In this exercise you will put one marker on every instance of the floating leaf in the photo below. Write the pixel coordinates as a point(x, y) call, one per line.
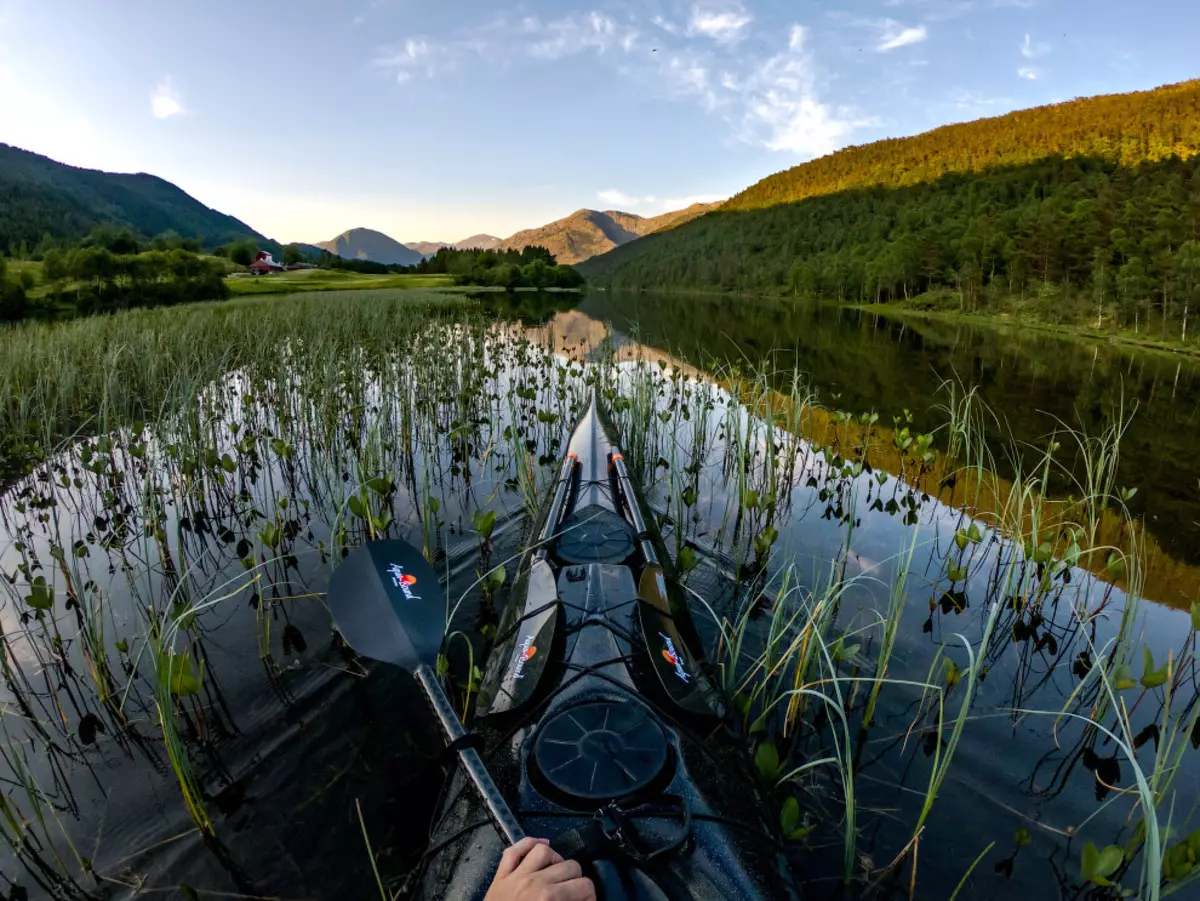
point(40, 596)
point(1122, 677)
point(764, 540)
point(766, 759)
point(1099, 865)
point(484, 522)
point(184, 680)
point(270, 535)
point(789, 816)
point(1151, 677)
point(381, 485)
point(951, 671)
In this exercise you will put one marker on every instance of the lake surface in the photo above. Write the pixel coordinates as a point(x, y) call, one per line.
point(296, 748)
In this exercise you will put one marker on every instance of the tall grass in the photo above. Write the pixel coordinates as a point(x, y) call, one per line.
point(180, 461)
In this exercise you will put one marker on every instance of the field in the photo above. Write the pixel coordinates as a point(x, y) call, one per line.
point(330, 280)
point(880, 609)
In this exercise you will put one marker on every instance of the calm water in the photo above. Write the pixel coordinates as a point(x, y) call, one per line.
point(290, 737)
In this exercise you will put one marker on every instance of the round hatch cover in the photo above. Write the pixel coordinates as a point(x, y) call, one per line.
point(595, 535)
point(601, 750)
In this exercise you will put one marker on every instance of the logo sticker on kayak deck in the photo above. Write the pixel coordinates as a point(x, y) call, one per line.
point(674, 658)
point(524, 655)
point(404, 581)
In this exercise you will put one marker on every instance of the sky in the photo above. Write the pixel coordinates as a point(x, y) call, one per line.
point(440, 120)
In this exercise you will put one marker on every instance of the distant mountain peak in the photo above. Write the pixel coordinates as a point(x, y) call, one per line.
point(369, 244)
point(587, 233)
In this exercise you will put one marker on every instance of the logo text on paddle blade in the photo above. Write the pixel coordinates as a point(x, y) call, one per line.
point(404, 581)
point(674, 658)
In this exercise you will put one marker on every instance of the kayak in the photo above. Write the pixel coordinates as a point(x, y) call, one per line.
point(597, 720)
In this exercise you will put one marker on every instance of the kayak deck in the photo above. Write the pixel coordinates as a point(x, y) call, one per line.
point(596, 720)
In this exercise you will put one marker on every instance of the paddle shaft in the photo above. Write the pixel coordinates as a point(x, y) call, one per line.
point(471, 762)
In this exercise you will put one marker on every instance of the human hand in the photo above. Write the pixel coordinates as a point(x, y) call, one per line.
point(532, 871)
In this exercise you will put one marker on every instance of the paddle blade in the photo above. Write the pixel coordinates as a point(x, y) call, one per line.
point(388, 604)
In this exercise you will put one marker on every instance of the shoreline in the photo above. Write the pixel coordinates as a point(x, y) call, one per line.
point(1002, 322)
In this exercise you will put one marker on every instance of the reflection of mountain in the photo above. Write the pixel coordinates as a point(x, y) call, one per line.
point(859, 362)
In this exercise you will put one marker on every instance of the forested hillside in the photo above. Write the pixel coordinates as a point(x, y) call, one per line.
point(1105, 223)
point(40, 197)
point(1123, 128)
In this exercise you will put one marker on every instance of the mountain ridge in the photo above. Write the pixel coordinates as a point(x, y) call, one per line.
point(1099, 195)
point(42, 196)
point(587, 233)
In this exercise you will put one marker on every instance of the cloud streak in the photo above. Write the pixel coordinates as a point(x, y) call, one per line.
point(724, 25)
point(1031, 49)
point(895, 35)
point(783, 110)
point(773, 101)
point(616, 199)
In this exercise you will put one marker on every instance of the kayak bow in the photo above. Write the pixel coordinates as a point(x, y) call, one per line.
point(596, 719)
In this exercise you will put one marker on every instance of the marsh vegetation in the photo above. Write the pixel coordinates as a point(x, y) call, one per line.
point(950, 680)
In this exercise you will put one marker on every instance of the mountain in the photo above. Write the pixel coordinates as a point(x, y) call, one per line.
point(1097, 196)
point(367, 244)
point(588, 233)
point(479, 242)
point(39, 196)
point(475, 242)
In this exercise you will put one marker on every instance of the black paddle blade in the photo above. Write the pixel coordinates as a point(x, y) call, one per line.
point(388, 604)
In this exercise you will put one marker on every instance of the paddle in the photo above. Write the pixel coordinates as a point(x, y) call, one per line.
point(388, 605)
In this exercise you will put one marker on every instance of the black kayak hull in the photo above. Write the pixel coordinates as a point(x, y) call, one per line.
point(596, 720)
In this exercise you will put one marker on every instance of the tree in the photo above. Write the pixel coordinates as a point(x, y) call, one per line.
point(1133, 287)
point(243, 252)
point(1187, 262)
point(292, 255)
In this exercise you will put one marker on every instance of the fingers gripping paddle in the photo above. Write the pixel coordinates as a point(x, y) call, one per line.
point(388, 605)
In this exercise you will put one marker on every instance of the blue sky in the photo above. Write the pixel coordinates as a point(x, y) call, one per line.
point(437, 120)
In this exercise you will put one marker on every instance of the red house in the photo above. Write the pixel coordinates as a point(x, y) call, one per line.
point(265, 264)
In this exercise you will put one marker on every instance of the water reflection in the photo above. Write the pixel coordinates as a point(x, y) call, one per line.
point(221, 528)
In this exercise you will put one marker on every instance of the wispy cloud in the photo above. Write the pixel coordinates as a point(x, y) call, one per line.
point(773, 102)
point(577, 34)
point(723, 24)
point(783, 110)
point(650, 204)
point(1031, 49)
point(165, 101)
point(414, 56)
point(894, 35)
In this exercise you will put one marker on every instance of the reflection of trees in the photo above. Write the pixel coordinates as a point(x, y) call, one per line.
point(858, 361)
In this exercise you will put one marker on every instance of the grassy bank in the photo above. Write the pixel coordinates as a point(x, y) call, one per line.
point(1018, 314)
point(330, 280)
